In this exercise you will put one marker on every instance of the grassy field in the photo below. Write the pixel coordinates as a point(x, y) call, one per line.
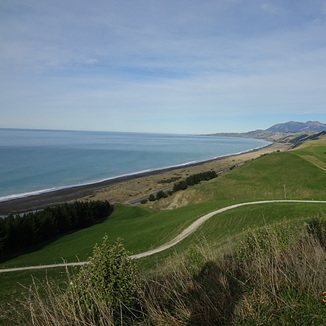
point(140, 229)
point(296, 174)
point(275, 176)
point(223, 229)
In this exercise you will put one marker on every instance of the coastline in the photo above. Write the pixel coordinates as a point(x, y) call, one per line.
point(103, 189)
point(121, 177)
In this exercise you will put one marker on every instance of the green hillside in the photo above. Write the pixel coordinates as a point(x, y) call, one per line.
point(296, 174)
point(274, 176)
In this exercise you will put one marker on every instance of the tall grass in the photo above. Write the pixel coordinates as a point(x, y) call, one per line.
point(275, 275)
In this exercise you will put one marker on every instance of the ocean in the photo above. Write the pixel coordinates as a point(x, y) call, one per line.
point(37, 161)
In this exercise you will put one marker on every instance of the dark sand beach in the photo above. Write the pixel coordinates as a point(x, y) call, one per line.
point(127, 188)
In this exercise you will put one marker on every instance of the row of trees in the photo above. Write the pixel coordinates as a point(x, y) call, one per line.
point(21, 232)
point(182, 185)
point(194, 179)
point(159, 195)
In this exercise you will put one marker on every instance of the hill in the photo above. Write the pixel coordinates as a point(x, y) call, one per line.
point(293, 126)
point(289, 132)
point(267, 276)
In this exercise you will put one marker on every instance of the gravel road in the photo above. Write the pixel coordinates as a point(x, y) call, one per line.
point(185, 233)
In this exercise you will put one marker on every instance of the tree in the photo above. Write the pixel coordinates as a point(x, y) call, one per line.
point(161, 194)
point(151, 198)
point(19, 233)
point(182, 185)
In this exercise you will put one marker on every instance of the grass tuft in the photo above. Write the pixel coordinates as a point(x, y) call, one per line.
point(273, 276)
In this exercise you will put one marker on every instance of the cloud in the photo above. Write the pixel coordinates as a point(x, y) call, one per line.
point(150, 59)
point(271, 8)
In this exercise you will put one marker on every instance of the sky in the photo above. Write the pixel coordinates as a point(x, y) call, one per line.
point(174, 66)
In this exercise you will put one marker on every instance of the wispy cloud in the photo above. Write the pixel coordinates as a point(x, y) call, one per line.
point(172, 59)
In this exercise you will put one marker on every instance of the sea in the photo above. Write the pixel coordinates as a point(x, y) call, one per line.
point(38, 161)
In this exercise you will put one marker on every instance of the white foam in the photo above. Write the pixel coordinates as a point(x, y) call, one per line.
point(42, 191)
point(26, 194)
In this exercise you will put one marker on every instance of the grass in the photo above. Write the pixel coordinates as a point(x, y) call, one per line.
point(265, 178)
point(224, 228)
point(274, 176)
point(142, 229)
point(274, 276)
point(314, 152)
point(15, 286)
point(216, 232)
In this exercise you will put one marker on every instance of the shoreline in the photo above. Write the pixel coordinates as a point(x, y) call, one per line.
point(13, 197)
point(60, 196)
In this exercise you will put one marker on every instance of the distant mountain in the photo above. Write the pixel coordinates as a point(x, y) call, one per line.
point(290, 132)
point(293, 126)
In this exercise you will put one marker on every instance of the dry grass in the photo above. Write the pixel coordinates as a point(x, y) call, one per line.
point(268, 283)
point(48, 305)
point(275, 276)
point(137, 188)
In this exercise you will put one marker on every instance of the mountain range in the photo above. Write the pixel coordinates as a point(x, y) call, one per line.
point(293, 126)
point(288, 132)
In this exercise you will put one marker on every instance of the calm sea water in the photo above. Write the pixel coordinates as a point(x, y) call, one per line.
point(34, 161)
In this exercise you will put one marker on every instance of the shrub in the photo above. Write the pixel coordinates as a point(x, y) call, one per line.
point(194, 179)
point(151, 198)
point(274, 277)
point(182, 185)
point(161, 194)
point(108, 280)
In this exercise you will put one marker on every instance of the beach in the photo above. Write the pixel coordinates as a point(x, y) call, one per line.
point(127, 188)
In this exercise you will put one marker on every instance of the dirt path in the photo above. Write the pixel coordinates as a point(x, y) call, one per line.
point(194, 226)
point(185, 233)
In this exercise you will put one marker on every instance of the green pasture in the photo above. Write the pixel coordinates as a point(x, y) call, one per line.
point(316, 148)
point(225, 228)
point(217, 231)
point(274, 176)
point(282, 175)
point(140, 229)
point(314, 152)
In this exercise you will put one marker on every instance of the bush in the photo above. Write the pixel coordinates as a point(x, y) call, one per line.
point(151, 198)
point(275, 276)
point(182, 185)
point(108, 280)
point(161, 194)
point(194, 179)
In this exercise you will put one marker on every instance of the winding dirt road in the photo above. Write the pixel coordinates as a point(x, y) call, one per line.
point(185, 233)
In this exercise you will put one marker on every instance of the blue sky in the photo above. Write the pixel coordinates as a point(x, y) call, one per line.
point(180, 66)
